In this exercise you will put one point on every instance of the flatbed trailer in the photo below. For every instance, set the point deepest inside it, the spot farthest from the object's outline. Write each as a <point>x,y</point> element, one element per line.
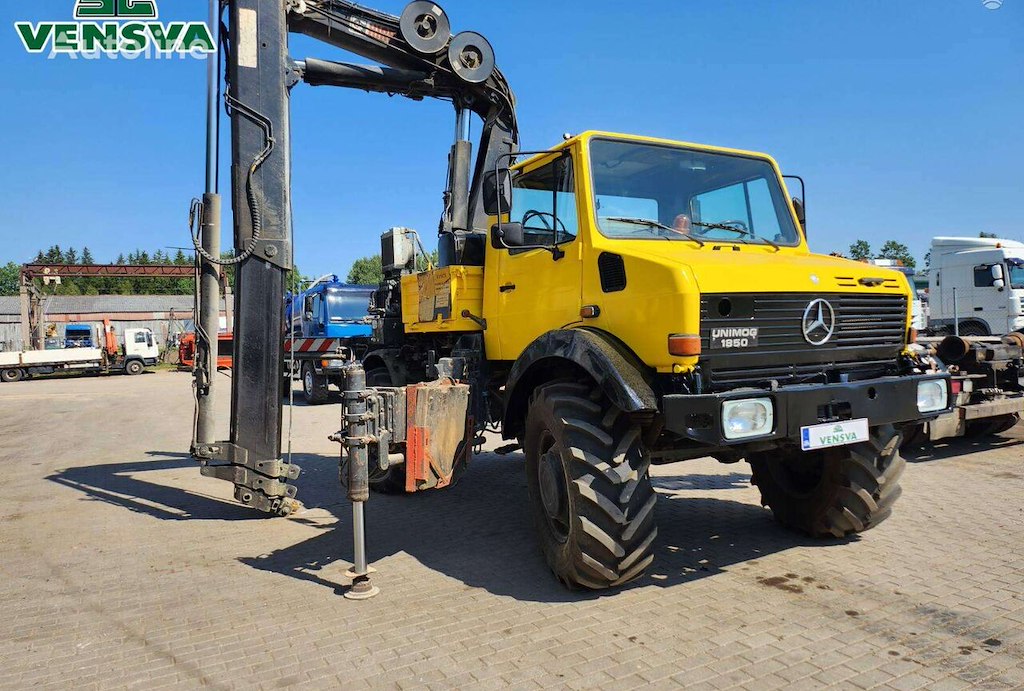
<point>137,351</point>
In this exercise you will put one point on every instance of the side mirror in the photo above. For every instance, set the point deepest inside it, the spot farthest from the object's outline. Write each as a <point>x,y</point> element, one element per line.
<point>506,235</point>
<point>309,316</point>
<point>798,208</point>
<point>998,283</point>
<point>997,272</point>
<point>497,189</point>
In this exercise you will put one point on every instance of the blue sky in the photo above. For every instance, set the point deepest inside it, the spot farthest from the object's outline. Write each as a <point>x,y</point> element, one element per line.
<point>904,117</point>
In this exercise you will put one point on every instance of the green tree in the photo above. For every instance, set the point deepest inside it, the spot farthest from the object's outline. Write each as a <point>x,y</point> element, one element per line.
<point>928,259</point>
<point>366,271</point>
<point>55,255</point>
<point>87,257</point>
<point>897,250</point>
<point>422,263</point>
<point>10,278</point>
<point>295,280</point>
<point>860,250</point>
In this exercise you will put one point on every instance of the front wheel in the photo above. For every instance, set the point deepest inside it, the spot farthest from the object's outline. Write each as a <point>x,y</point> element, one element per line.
<point>133,367</point>
<point>590,492</point>
<point>314,386</point>
<point>832,492</point>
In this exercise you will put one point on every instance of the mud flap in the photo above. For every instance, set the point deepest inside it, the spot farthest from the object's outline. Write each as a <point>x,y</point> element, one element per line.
<point>438,433</point>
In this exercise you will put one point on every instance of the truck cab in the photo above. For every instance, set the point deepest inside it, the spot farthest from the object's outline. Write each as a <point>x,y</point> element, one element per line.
<point>327,324</point>
<point>986,276</point>
<point>139,350</point>
<point>330,309</point>
<point>79,336</point>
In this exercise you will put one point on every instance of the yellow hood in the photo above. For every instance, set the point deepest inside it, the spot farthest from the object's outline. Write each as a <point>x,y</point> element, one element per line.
<point>718,268</point>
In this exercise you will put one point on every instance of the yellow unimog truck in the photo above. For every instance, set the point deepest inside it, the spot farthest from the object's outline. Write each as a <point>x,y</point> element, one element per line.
<point>613,302</point>
<point>645,301</point>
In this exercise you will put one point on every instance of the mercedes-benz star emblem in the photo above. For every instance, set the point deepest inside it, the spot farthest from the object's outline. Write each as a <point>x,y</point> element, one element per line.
<point>819,322</point>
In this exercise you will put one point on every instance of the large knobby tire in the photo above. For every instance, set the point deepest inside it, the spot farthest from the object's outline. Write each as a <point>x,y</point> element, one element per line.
<point>11,375</point>
<point>314,386</point>
<point>832,492</point>
<point>590,492</point>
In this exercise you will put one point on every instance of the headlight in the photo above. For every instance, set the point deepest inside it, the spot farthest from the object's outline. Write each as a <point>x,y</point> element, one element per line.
<point>747,417</point>
<point>931,395</point>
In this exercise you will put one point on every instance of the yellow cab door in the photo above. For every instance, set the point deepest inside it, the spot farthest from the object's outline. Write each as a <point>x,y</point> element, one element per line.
<point>537,289</point>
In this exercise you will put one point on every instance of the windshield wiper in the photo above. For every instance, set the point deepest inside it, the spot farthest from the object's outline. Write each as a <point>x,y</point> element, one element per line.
<point>654,224</point>
<point>740,231</point>
<point>722,226</point>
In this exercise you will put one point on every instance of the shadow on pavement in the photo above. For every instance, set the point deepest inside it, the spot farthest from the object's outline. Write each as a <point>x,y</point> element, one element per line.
<point>115,483</point>
<point>959,446</point>
<point>478,532</point>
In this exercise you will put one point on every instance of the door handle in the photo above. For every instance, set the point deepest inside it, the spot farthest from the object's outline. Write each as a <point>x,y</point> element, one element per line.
<point>508,287</point>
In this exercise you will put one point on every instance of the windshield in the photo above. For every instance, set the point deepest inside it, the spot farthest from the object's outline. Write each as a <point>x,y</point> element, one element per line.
<point>687,194</point>
<point>347,306</point>
<point>1016,273</point>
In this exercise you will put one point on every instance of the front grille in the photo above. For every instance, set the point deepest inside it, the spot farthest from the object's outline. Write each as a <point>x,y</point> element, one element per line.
<point>869,334</point>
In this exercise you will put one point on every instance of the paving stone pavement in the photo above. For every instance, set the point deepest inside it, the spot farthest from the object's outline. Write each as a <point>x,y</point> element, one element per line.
<point>123,567</point>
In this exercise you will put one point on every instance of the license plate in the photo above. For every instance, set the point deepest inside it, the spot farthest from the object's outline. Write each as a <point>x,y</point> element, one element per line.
<point>833,434</point>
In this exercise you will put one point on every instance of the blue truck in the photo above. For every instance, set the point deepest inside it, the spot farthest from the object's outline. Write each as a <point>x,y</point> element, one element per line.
<point>79,336</point>
<point>328,324</point>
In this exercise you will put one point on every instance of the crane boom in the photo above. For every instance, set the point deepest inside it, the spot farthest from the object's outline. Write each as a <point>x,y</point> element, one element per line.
<point>415,57</point>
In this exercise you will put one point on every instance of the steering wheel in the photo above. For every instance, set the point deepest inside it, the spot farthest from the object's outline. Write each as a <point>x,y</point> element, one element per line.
<point>542,216</point>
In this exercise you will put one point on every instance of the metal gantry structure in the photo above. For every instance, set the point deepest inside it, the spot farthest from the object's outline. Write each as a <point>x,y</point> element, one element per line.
<point>32,321</point>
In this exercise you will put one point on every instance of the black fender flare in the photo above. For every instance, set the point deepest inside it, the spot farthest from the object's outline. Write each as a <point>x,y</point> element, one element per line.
<point>612,366</point>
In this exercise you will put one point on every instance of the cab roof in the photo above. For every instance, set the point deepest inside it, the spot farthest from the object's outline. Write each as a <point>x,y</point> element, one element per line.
<point>586,136</point>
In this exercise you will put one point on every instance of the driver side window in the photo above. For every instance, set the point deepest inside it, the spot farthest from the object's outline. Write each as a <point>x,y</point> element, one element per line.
<point>544,201</point>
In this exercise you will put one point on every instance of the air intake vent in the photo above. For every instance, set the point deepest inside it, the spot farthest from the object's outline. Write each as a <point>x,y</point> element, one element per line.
<point>613,272</point>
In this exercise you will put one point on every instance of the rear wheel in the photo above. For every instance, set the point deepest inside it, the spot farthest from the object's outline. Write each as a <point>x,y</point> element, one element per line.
<point>314,386</point>
<point>12,374</point>
<point>832,492</point>
<point>590,492</point>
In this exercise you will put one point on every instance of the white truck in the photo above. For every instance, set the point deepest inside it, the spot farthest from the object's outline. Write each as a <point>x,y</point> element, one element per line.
<point>137,350</point>
<point>978,282</point>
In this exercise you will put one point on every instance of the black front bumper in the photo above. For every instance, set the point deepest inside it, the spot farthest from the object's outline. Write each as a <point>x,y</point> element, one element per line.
<point>887,400</point>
